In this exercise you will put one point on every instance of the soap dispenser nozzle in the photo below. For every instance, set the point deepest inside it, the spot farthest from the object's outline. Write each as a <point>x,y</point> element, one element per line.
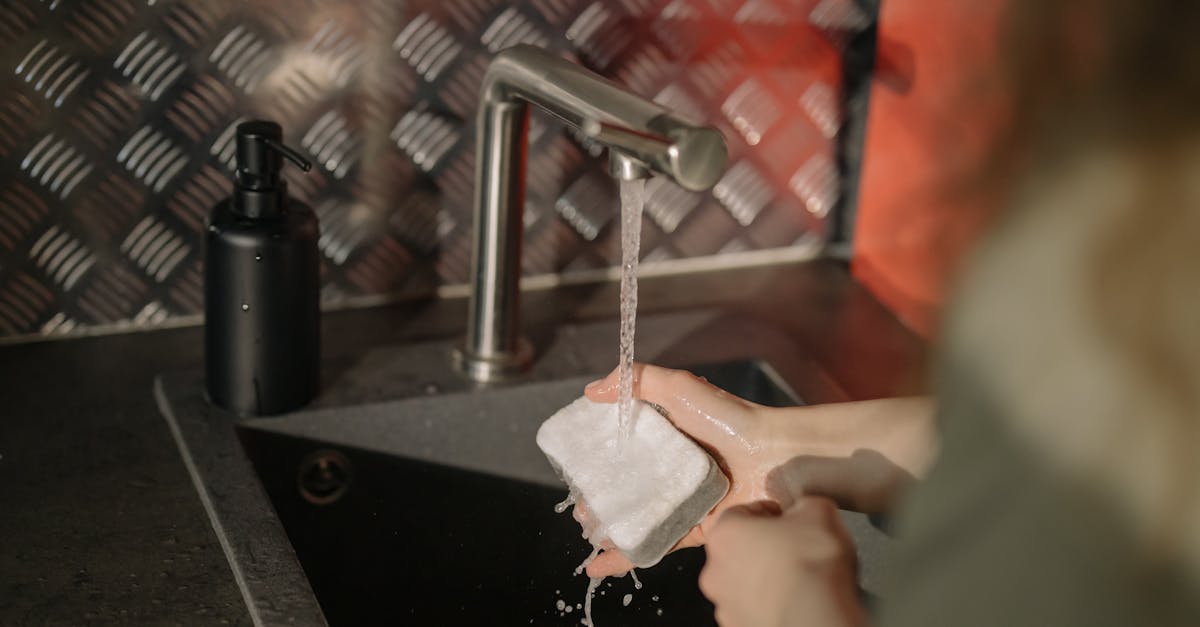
<point>259,190</point>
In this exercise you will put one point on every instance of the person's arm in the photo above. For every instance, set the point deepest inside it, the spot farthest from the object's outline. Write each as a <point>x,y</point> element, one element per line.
<point>858,454</point>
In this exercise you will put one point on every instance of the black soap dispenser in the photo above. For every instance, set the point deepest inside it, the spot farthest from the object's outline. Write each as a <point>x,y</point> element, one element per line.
<point>261,285</point>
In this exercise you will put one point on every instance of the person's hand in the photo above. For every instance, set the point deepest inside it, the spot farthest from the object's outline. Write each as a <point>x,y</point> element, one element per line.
<point>796,568</point>
<point>860,454</point>
<point>729,427</point>
<point>865,481</point>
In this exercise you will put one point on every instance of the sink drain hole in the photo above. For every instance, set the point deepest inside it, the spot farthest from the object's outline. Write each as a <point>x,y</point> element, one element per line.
<point>323,477</point>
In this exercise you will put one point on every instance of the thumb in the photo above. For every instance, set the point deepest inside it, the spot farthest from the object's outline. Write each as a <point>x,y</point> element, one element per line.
<point>609,564</point>
<point>695,406</point>
<point>756,509</point>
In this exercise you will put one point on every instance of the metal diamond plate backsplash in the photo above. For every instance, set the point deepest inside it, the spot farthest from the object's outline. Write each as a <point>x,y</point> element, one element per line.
<point>117,119</point>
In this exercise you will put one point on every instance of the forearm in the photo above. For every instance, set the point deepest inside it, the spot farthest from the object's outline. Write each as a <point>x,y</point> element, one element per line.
<point>862,454</point>
<point>901,430</point>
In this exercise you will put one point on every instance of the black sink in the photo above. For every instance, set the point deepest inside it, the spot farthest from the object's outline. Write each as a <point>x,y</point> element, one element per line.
<point>396,539</point>
<point>404,495</point>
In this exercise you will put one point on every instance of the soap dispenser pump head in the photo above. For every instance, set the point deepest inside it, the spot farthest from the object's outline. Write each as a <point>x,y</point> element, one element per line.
<point>259,190</point>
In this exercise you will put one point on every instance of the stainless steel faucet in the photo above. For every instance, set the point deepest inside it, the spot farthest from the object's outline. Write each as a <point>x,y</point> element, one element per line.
<point>641,136</point>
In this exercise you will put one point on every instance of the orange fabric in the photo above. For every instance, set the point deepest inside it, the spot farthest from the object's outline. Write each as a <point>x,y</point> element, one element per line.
<point>936,112</point>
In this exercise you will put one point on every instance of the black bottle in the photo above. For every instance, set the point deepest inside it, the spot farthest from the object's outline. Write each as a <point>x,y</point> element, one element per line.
<point>261,285</point>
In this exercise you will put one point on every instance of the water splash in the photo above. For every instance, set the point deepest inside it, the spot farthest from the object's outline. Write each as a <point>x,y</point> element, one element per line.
<point>632,202</point>
<point>590,558</point>
<point>587,602</point>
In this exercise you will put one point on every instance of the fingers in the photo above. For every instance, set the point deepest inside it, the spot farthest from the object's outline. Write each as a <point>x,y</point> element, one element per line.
<point>810,475</point>
<point>605,390</point>
<point>755,509</point>
<point>766,567</point>
<point>814,508</point>
<point>582,514</point>
<point>811,526</point>
<point>695,406</point>
<point>820,524</point>
<point>609,564</point>
<point>612,563</point>
<point>738,525</point>
<point>736,577</point>
<point>865,481</point>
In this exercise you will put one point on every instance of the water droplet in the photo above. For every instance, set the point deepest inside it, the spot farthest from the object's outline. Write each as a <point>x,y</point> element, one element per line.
<point>245,307</point>
<point>432,388</point>
<point>257,256</point>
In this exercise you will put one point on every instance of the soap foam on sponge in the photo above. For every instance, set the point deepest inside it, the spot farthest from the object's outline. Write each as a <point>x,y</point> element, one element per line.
<point>642,494</point>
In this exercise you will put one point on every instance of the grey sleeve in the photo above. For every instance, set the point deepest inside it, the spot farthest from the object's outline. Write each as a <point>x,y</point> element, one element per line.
<point>993,537</point>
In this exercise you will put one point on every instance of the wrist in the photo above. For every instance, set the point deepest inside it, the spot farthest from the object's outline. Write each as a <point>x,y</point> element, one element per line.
<point>899,429</point>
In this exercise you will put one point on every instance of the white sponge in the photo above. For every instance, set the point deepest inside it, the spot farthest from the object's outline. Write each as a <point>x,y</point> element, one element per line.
<point>643,494</point>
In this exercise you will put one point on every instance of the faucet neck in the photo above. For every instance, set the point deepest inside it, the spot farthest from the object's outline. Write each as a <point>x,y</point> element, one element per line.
<point>642,137</point>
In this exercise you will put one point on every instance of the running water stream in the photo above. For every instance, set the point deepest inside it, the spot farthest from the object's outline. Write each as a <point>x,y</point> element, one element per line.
<point>632,201</point>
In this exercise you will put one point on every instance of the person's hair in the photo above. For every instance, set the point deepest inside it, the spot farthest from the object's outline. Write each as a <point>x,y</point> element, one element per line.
<point>1124,77</point>
<point>1129,64</point>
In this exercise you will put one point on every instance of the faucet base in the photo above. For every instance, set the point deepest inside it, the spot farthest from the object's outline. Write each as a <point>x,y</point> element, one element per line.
<point>495,368</point>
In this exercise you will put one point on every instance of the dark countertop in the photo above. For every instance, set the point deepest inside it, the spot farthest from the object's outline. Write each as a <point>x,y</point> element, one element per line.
<point>102,524</point>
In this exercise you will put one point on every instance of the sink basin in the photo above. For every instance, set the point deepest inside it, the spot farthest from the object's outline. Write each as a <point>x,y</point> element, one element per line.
<point>406,496</point>
<point>400,537</point>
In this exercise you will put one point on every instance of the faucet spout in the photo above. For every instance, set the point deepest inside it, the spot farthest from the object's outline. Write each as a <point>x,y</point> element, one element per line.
<point>642,137</point>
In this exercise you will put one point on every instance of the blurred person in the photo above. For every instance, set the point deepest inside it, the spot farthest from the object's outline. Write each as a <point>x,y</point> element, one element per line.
<point>1056,479</point>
